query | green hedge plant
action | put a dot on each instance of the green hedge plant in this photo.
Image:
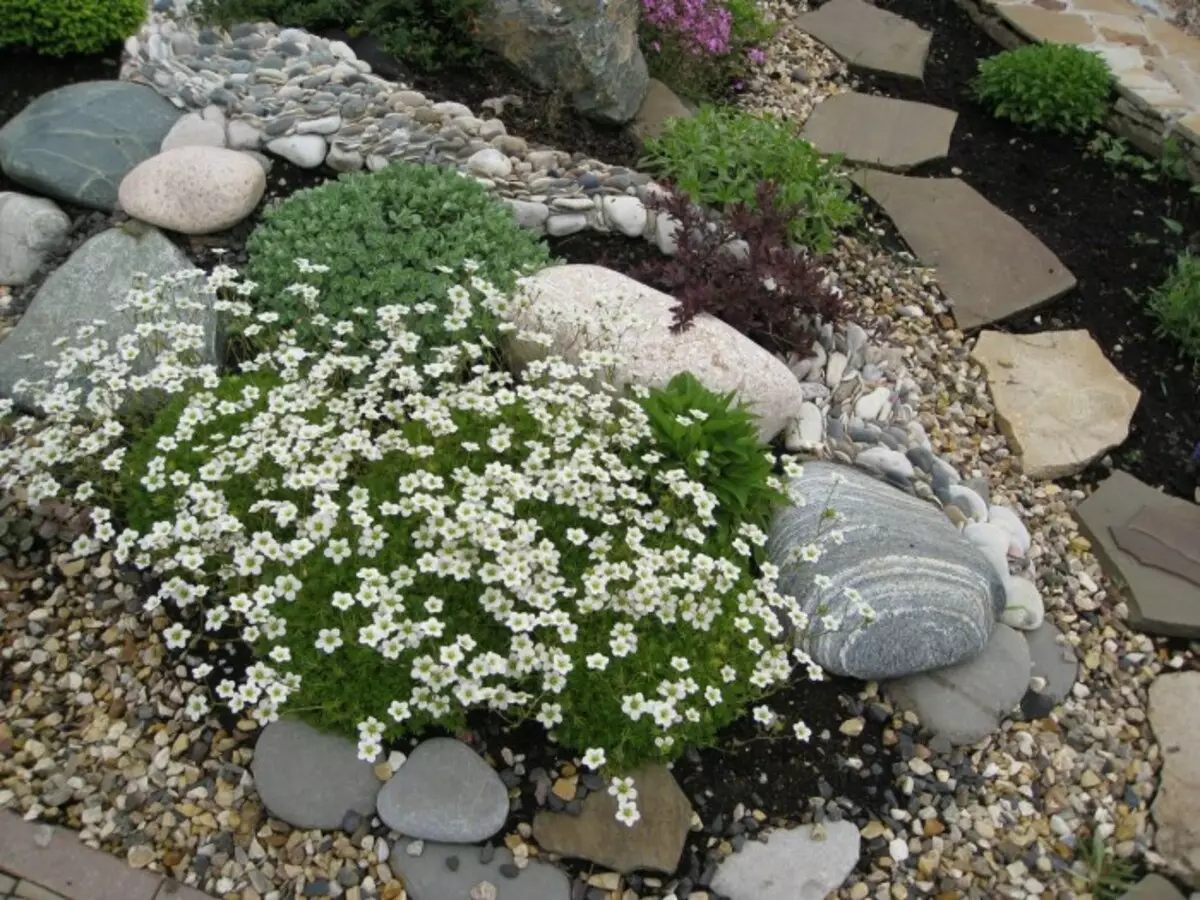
(63, 27)
(1047, 87)
(719, 158)
(388, 237)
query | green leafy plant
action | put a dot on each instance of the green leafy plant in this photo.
(1106, 876)
(715, 440)
(1176, 305)
(422, 34)
(62, 27)
(389, 237)
(1048, 87)
(719, 158)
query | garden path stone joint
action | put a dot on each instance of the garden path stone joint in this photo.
(880, 131)
(867, 36)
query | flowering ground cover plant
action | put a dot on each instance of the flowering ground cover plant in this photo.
(401, 541)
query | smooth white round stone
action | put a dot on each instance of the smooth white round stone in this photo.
(304, 150)
(1024, 609)
(490, 163)
(1011, 522)
(978, 509)
(992, 542)
(193, 190)
(193, 130)
(626, 214)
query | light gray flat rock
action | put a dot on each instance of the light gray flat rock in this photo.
(444, 792)
(867, 36)
(1174, 714)
(1053, 661)
(791, 865)
(936, 598)
(310, 779)
(988, 265)
(965, 703)
(428, 877)
(880, 131)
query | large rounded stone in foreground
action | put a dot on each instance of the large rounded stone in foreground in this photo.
(655, 842)
(965, 703)
(444, 792)
(310, 779)
(76, 143)
(935, 596)
(585, 307)
(31, 228)
(805, 863)
(194, 190)
(451, 871)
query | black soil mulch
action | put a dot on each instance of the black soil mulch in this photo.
(1109, 230)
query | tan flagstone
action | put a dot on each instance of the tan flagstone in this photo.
(1116, 7)
(1189, 125)
(1043, 25)
(1171, 38)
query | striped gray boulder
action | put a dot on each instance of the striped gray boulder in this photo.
(934, 596)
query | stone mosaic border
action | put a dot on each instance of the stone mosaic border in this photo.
(1156, 66)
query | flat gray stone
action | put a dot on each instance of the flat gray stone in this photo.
(310, 779)
(965, 703)
(880, 131)
(1153, 887)
(1160, 602)
(936, 598)
(1174, 715)
(444, 792)
(988, 265)
(791, 865)
(89, 286)
(429, 877)
(869, 37)
(76, 143)
(1055, 662)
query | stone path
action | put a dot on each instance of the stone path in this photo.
(988, 265)
(879, 131)
(869, 37)
(41, 862)
(1161, 601)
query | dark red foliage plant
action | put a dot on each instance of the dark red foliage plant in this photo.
(767, 289)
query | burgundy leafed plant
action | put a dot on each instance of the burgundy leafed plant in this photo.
(771, 292)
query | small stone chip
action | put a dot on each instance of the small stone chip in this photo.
(852, 727)
(508, 870)
(452, 863)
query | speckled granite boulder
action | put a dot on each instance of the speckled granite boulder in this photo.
(935, 597)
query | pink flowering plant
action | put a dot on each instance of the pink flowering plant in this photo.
(701, 47)
(401, 535)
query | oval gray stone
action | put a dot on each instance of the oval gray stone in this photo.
(76, 143)
(430, 876)
(310, 779)
(444, 792)
(935, 597)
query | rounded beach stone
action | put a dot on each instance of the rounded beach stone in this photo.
(193, 130)
(1024, 609)
(806, 863)
(1019, 541)
(304, 150)
(30, 229)
(490, 163)
(194, 190)
(935, 597)
(444, 792)
(309, 779)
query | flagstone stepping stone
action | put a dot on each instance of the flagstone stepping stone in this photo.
(869, 37)
(988, 265)
(935, 596)
(76, 143)
(1059, 401)
(805, 863)
(880, 131)
(659, 106)
(90, 285)
(444, 792)
(966, 703)
(655, 842)
(310, 779)
(1153, 887)
(1174, 714)
(453, 871)
(1160, 601)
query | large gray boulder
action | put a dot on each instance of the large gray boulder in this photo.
(76, 143)
(587, 49)
(89, 286)
(935, 597)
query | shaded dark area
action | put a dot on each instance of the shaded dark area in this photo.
(1109, 230)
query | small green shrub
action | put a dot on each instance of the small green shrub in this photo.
(1176, 305)
(61, 27)
(719, 158)
(1048, 87)
(421, 34)
(384, 236)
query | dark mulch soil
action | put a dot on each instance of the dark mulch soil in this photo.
(1108, 230)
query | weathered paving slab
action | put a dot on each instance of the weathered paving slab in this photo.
(1174, 714)
(988, 265)
(1160, 601)
(867, 36)
(880, 131)
(1059, 401)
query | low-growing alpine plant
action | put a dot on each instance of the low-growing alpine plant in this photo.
(404, 534)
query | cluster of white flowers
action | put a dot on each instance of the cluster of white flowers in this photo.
(324, 417)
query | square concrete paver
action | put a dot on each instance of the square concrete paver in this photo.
(1160, 602)
(988, 265)
(880, 131)
(867, 36)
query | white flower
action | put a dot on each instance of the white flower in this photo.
(628, 814)
(623, 790)
(176, 636)
(597, 661)
(764, 716)
(328, 640)
(802, 731)
(594, 758)
(197, 707)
